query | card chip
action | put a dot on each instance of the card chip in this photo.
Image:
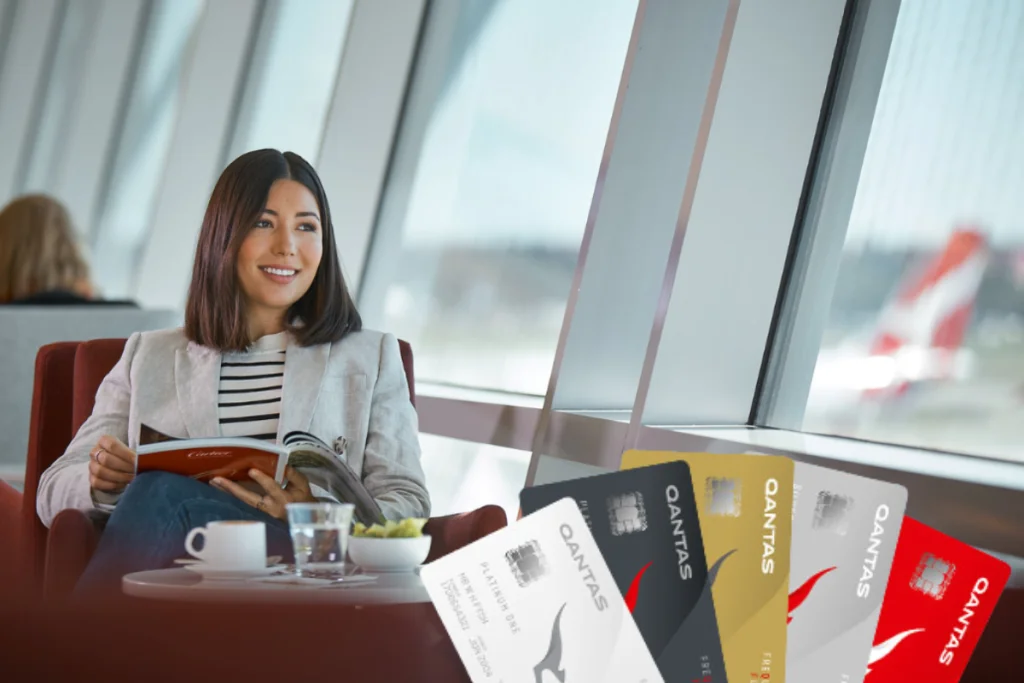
(527, 563)
(722, 496)
(932, 576)
(626, 513)
(831, 513)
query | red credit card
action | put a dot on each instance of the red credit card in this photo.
(941, 594)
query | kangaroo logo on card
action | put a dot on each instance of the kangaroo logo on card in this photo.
(744, 510)
(552, 661)
(646, 524)
(535, 601)
(844, 537)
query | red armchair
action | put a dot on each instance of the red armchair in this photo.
(49, 434)
(10, 513)
(68, 375)
(10, 536)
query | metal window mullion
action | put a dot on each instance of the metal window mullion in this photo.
(7, 9)
(24, 73)
(107, 179)
(256, 66)
(650, 163)
(443, 33)
(707, 366)
(361, 125)
(213, 75)
(811, 282)
(92, 129)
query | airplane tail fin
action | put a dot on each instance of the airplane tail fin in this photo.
(922, 329)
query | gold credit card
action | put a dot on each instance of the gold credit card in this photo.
(745, 506)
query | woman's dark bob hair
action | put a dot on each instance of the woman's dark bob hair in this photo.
(215, 310)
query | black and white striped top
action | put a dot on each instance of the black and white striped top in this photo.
(249, 394)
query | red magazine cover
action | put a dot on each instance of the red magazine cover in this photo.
(233, 457)
(204, 459)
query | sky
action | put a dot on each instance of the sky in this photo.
(947, 142)
(512, 151)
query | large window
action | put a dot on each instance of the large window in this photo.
(291, 77)
(924, 342)
(73, 40)
(491, 184)
(464, 476)
(142, 147)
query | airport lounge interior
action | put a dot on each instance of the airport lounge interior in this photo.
(308, 306)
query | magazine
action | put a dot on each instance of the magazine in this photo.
(233, 457)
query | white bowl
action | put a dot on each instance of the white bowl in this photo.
(388, 554)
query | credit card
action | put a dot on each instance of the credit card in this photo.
(646, 525)
(535, 602)
(745, 507)
(845, 529)
(941, 594)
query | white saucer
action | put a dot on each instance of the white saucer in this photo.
(309, 581)
(386, 570)
(225, 574)
(273, 559)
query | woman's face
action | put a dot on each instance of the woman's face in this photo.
(281, 252)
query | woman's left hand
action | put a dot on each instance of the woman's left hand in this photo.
(275, 498)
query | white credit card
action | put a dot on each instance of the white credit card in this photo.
(536, 603)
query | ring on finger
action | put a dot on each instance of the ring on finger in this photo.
(262, 504)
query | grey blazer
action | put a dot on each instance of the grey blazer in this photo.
(354, 389)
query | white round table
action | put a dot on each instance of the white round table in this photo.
(184, 585)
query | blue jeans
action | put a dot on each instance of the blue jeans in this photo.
(148, 526)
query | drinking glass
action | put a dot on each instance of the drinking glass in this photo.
(320, 537)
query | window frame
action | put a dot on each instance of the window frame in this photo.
(802, 311)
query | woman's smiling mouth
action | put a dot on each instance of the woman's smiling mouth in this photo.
(279, 274)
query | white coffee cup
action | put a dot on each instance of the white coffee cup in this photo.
(230, 544)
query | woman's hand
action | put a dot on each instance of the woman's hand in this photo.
(296, 490)
(111, 465)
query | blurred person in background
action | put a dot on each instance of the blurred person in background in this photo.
(272, 342)
(41, 261)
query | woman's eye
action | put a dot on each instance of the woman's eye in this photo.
(263, 224)
(310, 227)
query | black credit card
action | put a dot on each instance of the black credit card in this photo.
(645, 523)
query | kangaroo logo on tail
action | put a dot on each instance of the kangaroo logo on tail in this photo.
(553, 659)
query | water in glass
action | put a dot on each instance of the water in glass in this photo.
(319, 537)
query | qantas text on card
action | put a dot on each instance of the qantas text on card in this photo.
(845, 529)
(941, 594)
(745, 505)
(536, 603)
(646, 525)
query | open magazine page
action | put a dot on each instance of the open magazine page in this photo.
(318, 463)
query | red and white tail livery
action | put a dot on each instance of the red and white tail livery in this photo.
(921, 331)
(919, 335)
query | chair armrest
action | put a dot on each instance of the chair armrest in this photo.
(69, 547)
(451, 532)
(11, 572)
(10, 516)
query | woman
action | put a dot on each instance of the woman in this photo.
(40, 260)
(272, 343)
